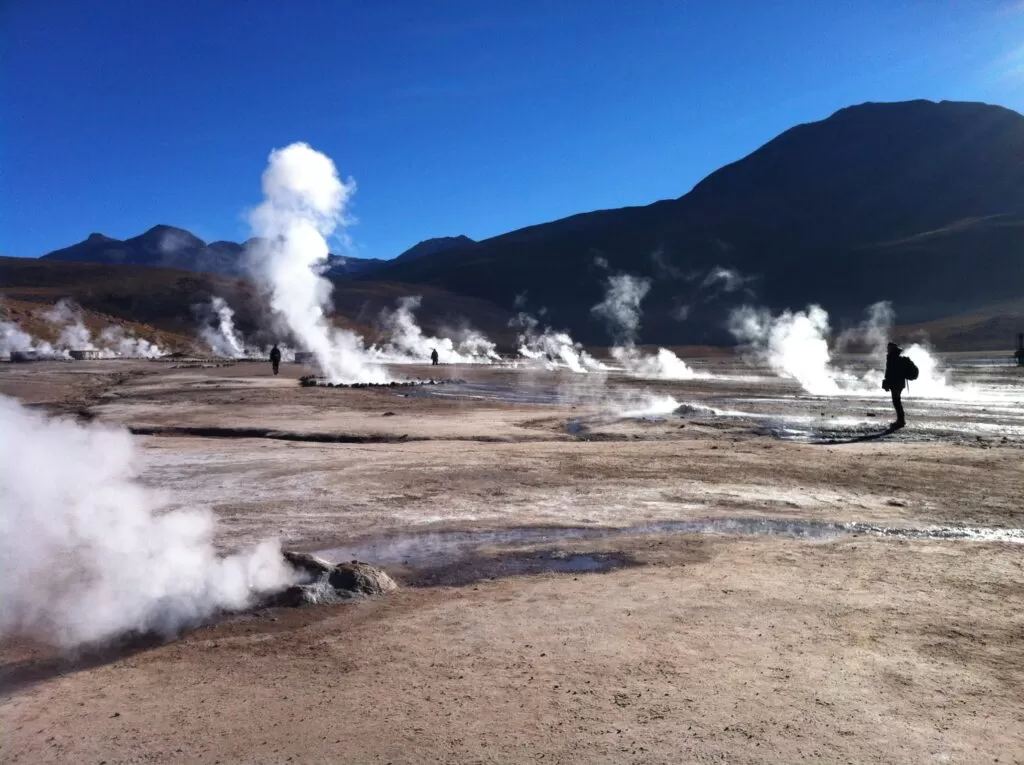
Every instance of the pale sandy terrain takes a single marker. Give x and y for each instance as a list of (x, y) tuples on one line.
[(579, 586)]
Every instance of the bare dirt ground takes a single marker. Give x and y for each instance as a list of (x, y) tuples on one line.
[(591, 575)]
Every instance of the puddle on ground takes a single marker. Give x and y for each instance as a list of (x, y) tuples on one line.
[(476, 569), (437, 556)]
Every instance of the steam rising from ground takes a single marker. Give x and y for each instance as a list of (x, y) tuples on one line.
[(74, 335), (123, 343), (621, 307), (223, 340), (87, 555), (620, 310), (551, 348), (407, 342), (796, 345), (13, 339), (66, 316), (304, 202)]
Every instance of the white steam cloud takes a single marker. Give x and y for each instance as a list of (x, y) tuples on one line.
[(795, 345), (304, 202), (407, 343), (87, 553), (620, 310), (74, 335), (621, 307), (66, 316), (551, 348), (123, 343), (223, 339), (15, 340)]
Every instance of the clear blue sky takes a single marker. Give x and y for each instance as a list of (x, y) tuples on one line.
[(454, 116)]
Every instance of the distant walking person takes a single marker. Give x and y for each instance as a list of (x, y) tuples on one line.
[(433, 357), (898, 369), (275, 358)]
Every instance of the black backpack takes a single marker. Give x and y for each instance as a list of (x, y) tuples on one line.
[(909, 368)]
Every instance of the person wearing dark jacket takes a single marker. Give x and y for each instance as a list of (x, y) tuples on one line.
[(433, 357), (275, 358), (895, 381)]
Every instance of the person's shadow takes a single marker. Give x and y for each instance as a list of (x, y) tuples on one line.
[(864, 437)]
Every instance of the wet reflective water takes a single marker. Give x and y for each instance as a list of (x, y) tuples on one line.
[(983, 400)]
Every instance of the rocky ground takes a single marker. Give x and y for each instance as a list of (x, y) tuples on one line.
[(588, 573)]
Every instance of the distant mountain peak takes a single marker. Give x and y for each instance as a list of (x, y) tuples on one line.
[(436, 244), (170, 239), (172, 247)]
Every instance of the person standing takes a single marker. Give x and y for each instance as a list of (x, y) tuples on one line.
[(275, 358), (433, 357), (898, 369)]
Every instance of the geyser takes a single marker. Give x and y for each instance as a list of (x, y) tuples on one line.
[(223, 340), (304, 202)]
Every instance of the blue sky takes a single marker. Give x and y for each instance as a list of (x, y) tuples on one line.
[(454, 117)]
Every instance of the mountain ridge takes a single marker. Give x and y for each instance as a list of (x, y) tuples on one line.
[(917, 202), (833, 212), (168, 246)]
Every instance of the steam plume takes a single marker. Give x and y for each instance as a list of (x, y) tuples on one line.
[(87, 555), (795, 345), (407, 342), (621, 311), (304, 203), (621, 307), (74, 335), (551, 348), (13, 339), (124, 343), (224, 340)]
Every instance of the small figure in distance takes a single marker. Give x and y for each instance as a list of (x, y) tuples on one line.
[(433, 357), (898, 369), (275, 358)]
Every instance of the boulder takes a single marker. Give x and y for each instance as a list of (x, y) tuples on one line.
[(325, 583)]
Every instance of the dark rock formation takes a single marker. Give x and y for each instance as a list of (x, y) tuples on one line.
[(326, 583)]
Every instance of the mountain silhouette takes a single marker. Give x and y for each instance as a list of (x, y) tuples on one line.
[(435, 245), (918, 202), (170, 247)]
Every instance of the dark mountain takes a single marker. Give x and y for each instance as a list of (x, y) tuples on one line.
[(170, 247), (437, 244), (342, 267), (918, 202)]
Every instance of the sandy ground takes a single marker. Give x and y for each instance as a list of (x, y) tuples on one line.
[(557, 607)]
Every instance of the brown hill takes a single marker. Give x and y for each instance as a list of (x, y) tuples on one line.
[(992, 328), (165, 299)]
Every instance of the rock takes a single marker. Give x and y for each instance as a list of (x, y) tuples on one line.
[(361, 579), (326, 583)]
